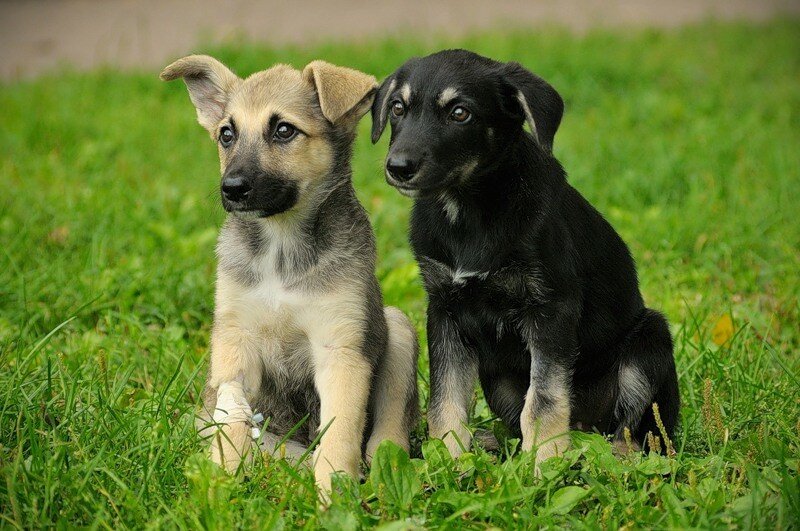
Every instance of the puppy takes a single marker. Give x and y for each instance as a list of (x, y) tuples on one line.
[(530, 290), (299, 325)]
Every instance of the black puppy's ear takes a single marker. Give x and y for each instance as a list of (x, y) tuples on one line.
[(380, 107), (538, 103)]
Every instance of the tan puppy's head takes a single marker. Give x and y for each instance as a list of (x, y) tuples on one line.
[(279, 132)]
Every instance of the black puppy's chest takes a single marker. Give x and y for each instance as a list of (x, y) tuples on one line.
[(491, 301)]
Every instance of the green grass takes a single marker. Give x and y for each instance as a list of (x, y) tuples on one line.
[(687, 140)]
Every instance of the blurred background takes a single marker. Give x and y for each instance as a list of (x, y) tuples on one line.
[(36, 35)]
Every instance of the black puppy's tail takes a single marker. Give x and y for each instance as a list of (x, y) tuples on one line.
[(646, 376)]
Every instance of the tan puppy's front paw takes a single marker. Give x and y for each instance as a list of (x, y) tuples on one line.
[(231, 445), (323, 481), (233, 442)]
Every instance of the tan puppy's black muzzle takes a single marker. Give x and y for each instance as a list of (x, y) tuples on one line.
[(257, 192), (235, 189)]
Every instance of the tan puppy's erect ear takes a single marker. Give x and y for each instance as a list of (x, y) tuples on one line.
[(342, 91), (210, 84)]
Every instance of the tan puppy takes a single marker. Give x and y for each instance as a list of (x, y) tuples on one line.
[(299, 325)]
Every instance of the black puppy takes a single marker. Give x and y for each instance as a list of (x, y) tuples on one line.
[(530, 289)]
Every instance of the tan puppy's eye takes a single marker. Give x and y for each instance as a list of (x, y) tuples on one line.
[(226, 136), (460, 114), (284, 132), (398, 109)]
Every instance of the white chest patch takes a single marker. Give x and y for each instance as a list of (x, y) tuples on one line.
[(442, 273), (461, 276), (266, 315), (269, 295), (271, 291)]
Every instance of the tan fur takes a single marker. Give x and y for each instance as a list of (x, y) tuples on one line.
[(326, 328), (281, 91), (449, 423), (333, 327), (450, 418), (254, 326), (389, 91), (209, 83), (340, 89), (343, 382), (405, 93), (231, 445), (528, 114), (446, 96), (548, 432)]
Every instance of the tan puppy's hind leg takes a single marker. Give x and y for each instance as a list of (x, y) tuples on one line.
[(395, 404)]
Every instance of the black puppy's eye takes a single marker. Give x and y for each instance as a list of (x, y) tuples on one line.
[(398, 109), (460, 114), (284, 132), (226, 136)]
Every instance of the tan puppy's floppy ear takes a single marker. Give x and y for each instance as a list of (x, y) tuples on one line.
[(210, 84), (342, 91)]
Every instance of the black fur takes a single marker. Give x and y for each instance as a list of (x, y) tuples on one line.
[(515, 261)]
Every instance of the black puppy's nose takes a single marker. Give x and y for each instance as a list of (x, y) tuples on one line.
[(401, 168), (235, 188)]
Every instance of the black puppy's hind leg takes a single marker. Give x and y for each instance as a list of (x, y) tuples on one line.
[(646, 376)]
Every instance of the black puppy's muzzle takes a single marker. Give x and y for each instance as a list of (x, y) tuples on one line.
[(257, 193), (401, 168)]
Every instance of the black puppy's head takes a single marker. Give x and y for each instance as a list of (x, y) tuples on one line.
[(453, 114)]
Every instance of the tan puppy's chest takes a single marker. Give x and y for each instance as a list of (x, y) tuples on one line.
[(285, 328), (271, 313), (268, 318)]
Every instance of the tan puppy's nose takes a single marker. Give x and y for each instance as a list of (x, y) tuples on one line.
[(235, 188)]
